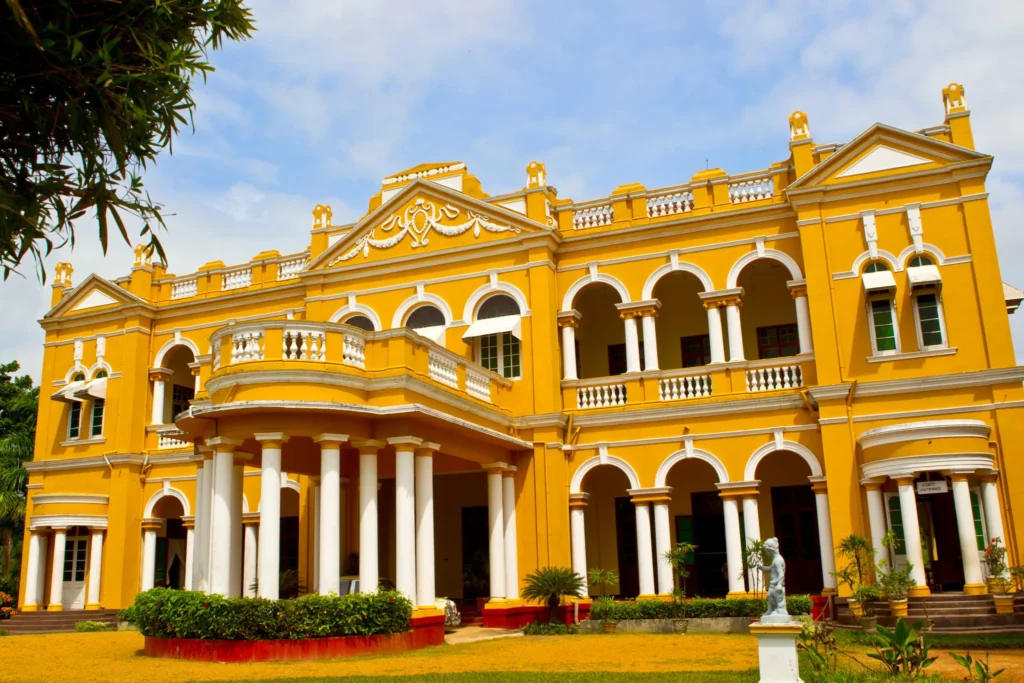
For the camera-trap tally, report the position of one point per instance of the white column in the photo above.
(662, 544)
(316, 533)
(159, 389)
(578, 531)
(190, 554)
(149, 531)
(369, 575)
(425, 596)
(60, 540)
(508, 509)
(33, 585)
(876, 520)
(211, 494)
(715, 338)
(496, 535)
(632, 344)
(221, 522)
(203, 522)
(41, 571)
(803, 324)
(732, 318)
(752, 529)
(974, 582)
(249, 561)
(92, 600)
(649, 322)
(912, 534)
(235, 586)
(405, 514)
(733, 545)
(644, 552)
(568, 348)
(268, 570)
(330, 511)
(993, 511)
(828, 558)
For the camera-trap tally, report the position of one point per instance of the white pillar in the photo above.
(203, 523)
(92, 600)
(715, 338)
(632, 344)
(733, 545)
(568, 348)
(803, 322)
(828, 558)
(752, 530)
(405, 514)
(159, 389)
(60, 539)
(249, 560)
(732, 318)
(578, 529)
(425, 595)
(190, 554)
(662, 545)
(330, 511)
(496, 535)
(223, 516)
(316, 533)
(41, 573)
(369, 576)
(33, 583)
(912, 535)
(993, 510)
(644, 551)
(268, 570)
(235, 586)
(649, 322)
(974, 582)
(149, 531)
(876, 520)
(508, 509)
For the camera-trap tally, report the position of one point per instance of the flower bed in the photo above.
(695, 608)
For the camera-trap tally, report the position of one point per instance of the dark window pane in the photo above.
(424, 316)
(777, 341)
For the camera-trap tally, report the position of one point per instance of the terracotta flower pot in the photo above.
(1004, 604)
(679, 625)
(868, 624)
(854, 607)
(609, 626)
(898, 608)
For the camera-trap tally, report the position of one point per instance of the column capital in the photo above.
(818, 484)
(327, 439)
(160, 374)
(250, 519)
(570, 318)
(270, 438)
(189, 522)
(205, 450)
(241, 458)
(722, 297)
(152, 524)
(873, 483)
(223, 443)
(368, 446)
(410, 442)
(660, 494)
(494, 467)
(959, 476)
(988, 476)
(427, 449)
(578, 500)
(738, 489)
(797, 288)
(639, 309)
(195, 368)
(510, 472)
(905, 480)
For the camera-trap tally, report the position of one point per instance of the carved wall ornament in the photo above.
(418, 220)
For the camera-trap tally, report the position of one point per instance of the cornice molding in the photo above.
(915, 464)
(923, 431)
(66, 521)
(978, 378)
(69, 498)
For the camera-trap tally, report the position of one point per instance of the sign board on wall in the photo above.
(926, 487)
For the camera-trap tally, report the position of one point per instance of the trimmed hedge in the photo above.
(168, 613)
(695, 608)
(536, 629)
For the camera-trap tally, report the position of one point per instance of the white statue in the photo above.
(776, 583)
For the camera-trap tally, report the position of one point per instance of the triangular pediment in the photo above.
(425, 217)
(92, 295)
(882, 153)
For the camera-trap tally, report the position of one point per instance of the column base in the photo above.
(55, 608)
(828, 592)
(919, 592)
(421, 611)
(31, 608)
(92, 607)
(646, 596)
(736, 595)
(975, 589)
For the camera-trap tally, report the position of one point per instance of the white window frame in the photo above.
(92, 410)
(81, 410)
(942, 321)
(899, 560)
(477, 346)
(895, 325)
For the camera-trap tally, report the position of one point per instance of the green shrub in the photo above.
(127, 614)
(4, 632)
(555, 629)
(696, 608)
(185, 614)
(91, 626)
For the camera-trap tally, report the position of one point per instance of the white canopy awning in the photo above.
(435, 333)
(67, 393)
(97, 388)
(923, 275)
(878, 281)
(505, 323)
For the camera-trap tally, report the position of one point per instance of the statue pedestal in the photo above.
(776, 649)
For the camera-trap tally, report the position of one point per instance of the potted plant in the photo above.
(896, 584)
(866, 595)
(550, 584)
(858, 553)
(753, 560)
(998, 584)
(680, 557)
(602, 578)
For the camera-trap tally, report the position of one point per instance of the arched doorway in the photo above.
(174, 386)
(600, 339)
(769, 327)
(696, 516)
(682, 323)
(170, 547)
(611, 540)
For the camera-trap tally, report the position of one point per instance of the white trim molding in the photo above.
(415, 301)
(597, 461)
(70, 499)
(65, 521)
(168, 491)
(591, 277)
(676, 266)
(923, 430)
(484, 292)
(352, 309)
(177, 340)
(751, 256)
(915, 464)
(687, 453)
(779, 444)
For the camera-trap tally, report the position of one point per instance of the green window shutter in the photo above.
(979, 528)
(684, 533)
(896, 524)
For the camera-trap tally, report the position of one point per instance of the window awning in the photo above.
(68, 392)
(505, 323)
(97, 388)
(879, 281)
(923, 275)
(434, 333)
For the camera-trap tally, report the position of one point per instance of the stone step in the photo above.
(54, 622)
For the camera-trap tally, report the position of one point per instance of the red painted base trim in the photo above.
(521, 615)
(420, 635)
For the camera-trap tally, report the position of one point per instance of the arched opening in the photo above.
(360, 321)
(600, 338)
(290, 586)
(787, 511)
(769, 314)
(495, 334)
(170, 544)
(610, 518)
(424, 316)
(179, 387)
(696, 516)
(682, 322)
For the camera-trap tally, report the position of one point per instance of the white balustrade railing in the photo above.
(184, 289)
(775, 377)
(237, 279)
(751, 190)
(247, 346)
(676, 388)
(170, 439)
(478, 384)
(286, 270)
(593, 217)
(353, 351)
(670, 204)
(601, 395)
(443, 369)
(301, 344)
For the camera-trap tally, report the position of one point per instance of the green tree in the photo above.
(18, 407)
(90, 93)
(549, 584)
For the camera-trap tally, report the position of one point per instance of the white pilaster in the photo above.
(495, 526)
(569, 350)
(405, 514)
(993, 510)
(159, 389)
(644, 552)
(223, 515)
(425, 590)
(92, 600)
(249, 560)
(662, 543)
(732, 318)
(912, 533)
(733, 545)
(33, 585)
(632, 344)
(876, 520)
(803, 324)
(508, 509)
(268, 570)
(650, 326)
(578, 529)
(316, 533)
(715, 338)
(60, 540)
(149, 531)
(190, 553)
(974, 582)
(330, 510)
(752, 530)
(369, 575)
(828, 558)
(235, 585)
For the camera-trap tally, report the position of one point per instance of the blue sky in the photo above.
(331, 96)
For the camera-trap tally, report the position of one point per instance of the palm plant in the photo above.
(602, 578)
(17, 434)
(549, 584)
(680, 557)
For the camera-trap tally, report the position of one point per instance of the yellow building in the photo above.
(460, 388)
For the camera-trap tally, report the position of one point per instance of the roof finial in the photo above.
(536, 175)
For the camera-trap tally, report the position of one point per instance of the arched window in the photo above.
(101, 374)
(425, 316)
(498, 306)
(75, 412)
(876, 267)
(362, 322)
(497, 340)
(918, 261)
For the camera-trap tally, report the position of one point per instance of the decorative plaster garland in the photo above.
(418, 221)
